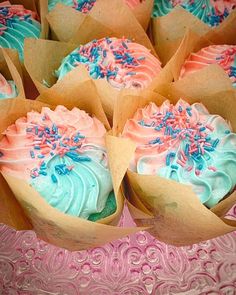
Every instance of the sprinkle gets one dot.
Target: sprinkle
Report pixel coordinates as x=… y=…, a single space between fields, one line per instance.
x=212 y=168
x=174 y=167
x=32 y=154
x=209 y=127
x=54 y=178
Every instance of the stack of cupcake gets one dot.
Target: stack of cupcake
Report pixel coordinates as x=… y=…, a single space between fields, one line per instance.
x=119 y=118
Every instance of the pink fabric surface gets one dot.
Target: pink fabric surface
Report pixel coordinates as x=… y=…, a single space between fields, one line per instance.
x=137 y=264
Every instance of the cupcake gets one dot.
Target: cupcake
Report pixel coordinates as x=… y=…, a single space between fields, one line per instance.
x=223 y=55
x=7 y=88
x=16 y=24
x=185 y=143
x=211 y=12
x=62 y=155
x=123 y=63
x=86 y=5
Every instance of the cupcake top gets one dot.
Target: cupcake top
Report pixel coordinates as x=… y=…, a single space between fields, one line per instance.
x=86 y=5
x=185 y=143
x=124 y=64
x=211 y=12
x=223 y=55
x=62 y=154
x=7 y=88
x=16 y=24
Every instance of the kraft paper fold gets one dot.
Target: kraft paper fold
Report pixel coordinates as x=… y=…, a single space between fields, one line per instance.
x=193 y=43
x=51 y=225
x=106 y=19
x=169 y=30
x=41 y=72
x=10 y=68
x=173 y=212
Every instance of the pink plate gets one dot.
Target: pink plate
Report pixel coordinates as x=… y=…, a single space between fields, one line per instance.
x=137 y=264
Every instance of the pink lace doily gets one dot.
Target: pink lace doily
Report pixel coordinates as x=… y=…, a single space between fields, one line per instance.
x=137 y=264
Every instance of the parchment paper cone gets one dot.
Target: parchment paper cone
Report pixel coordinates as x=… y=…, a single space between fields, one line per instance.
x=41 y=65
x=172 y=210
x=192 y=42
x=51 y=225
x=169 y=30
x=106 y=19
x=10 y=68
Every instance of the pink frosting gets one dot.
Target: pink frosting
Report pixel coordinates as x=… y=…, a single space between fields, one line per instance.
x=5 y=87
x=18 y=143
x=223 y=55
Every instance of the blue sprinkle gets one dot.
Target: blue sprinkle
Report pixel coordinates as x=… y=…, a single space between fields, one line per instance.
x=168 y=160
x=36 y=130
x=54 y=179
x=200 y=167
x=75 y=157
x=41 y=156
x=37 y=147
x=32 y=154
x=227 y=131
x=202 y=128
x=215 y=143
x=189 y=111
x=42 y=172
x=174 y=167
x=186 y=151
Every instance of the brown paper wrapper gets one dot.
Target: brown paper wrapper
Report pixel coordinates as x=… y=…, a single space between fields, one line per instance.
x=72 y=233
x=40 y=71
x=192 y=42
x=172 y=211
x=10 y=68
x=106 y=19
x=169 y=30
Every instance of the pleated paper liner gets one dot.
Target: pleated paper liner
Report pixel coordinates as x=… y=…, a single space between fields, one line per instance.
x=173 y=212
x=192 y=42
x=51 y=225
x=10 y=68
x=41 y=65
x=106 y=19
x=169 y=30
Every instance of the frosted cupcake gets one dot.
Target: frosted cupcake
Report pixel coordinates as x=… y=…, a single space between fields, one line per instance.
x=86 y=5
x=62 y=155
x=7 y=88
x=223 y=55
x=185 y=143
x=16 y=24
x=124 y=64
x=211 y=12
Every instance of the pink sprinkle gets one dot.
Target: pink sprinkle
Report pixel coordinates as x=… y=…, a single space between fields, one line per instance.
x=181 y=163
x=212 y=168
x=70 y=167
x=197 y=172
x=209 y=127
x=190 y=168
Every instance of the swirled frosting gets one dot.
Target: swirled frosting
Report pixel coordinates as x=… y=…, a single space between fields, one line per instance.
x=223 y=55
x=7 y=88
x=185 y=143
x=211 y=12
x=16 y=24
x=86 y=5
x=62 y=154
x=124 y=64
